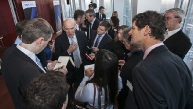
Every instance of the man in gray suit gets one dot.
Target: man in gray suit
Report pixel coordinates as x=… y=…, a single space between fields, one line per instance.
x=162 y=80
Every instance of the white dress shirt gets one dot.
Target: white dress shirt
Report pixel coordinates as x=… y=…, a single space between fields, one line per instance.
x=85 y=93
x=170 y=33
x=29 y=54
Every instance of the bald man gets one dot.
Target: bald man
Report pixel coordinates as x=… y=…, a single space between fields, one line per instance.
x=72 y=43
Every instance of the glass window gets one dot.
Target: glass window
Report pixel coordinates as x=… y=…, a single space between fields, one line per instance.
x=167 y=4
x=108 y=4
x=127 y=13
x=188 y=29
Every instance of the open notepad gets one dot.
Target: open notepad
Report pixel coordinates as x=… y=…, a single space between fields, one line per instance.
x=63 y=61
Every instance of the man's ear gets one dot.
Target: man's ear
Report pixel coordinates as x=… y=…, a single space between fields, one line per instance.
x=39 y=41
x=147 y=30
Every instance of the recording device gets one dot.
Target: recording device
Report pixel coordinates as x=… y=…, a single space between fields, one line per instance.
x=88 y=57
x=94 y=5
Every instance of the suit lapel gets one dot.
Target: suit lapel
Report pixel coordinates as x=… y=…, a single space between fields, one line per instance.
x=103 y=41
x=173 y=38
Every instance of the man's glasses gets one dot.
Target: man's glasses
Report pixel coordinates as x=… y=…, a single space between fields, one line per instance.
x=169 y=18
x=69 y=29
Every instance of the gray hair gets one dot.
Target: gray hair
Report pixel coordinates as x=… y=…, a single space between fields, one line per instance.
x=177 y=12
x=91 y=12
x=125 y=33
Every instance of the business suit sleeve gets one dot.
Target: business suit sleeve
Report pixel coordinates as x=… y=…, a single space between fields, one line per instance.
x=60 y=48
x=146 y=88
x=183 y=49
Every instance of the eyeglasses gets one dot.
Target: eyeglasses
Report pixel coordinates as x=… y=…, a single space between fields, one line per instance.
x=169 y=18
x=69 y=29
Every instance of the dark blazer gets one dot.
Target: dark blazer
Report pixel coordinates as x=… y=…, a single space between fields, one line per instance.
x=105 y=41
x=113 y=32
x=103 y=16
x=94 y=27
x=179 y=44
x=18 y=70
x=126 y=74
x=118 y=48
x=62 y=44
x=162 y=80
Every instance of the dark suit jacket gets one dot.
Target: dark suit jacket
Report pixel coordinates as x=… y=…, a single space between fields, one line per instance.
x=126 y=74
x=62 y=44
x=105 y=41
x=161 y=81
x=103 y=16
x=179 y=44
x=118 y=48
x=18 y=70
x=94 y=27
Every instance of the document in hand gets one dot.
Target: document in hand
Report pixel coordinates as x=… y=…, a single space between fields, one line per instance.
x=89 y=66
x=63 y=61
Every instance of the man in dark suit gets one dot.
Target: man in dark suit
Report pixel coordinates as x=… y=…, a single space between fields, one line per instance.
x=72 y=43
x=175 y=39
x=93 y=22
x=100 y=39
x=20 y=64
x=79 y=17
x=100 y=15
x=162 y=80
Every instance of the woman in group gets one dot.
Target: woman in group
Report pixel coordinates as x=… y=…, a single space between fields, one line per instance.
x=114 y=22
x=115 y=13
x=116 y=46
x=133 y=58
x=101 y=91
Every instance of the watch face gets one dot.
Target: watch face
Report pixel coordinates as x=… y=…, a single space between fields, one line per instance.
x=115 y=29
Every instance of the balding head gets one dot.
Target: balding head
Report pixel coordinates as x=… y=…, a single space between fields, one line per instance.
x=69 y=26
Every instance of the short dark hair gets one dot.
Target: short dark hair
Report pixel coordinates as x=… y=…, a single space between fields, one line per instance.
x=101 y=7
x=115 y=21
x=47 y=91
x=105 y=23
x=19 y=27
x=91 y=12
x=154 y=20
x=106 y=74
x=78 y=13
x=36 y=28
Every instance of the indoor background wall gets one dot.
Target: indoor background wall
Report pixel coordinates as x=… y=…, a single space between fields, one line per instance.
x=45 y=10
x=7 y=26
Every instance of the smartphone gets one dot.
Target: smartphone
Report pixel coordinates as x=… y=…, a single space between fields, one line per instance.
x=88 y=57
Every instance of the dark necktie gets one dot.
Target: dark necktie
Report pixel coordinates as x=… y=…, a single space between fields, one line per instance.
x=79 y=28
x=97 y=41
x=90 y=29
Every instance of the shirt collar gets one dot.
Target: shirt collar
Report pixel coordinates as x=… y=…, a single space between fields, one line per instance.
x=27 y=52
x=170 y=33
x=151 y=48
x=93 y=21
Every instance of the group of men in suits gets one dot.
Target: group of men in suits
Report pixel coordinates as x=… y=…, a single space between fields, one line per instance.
x=162 y=79
x=20 y=65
